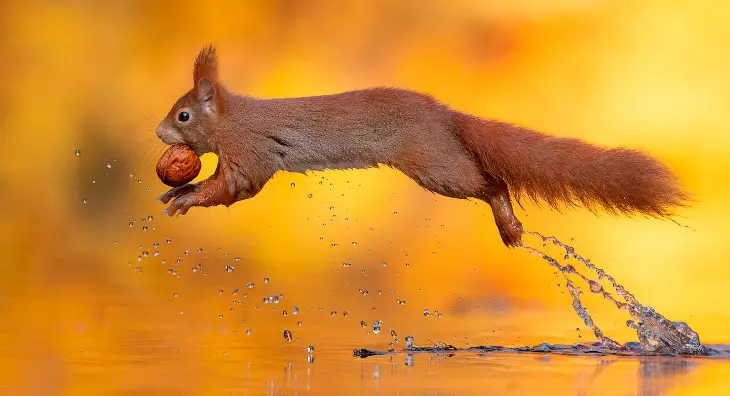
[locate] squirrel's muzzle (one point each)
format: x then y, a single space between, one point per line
168 135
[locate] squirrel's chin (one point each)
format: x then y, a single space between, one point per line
201 150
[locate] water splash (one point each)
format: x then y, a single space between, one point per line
655 332
658 336
579 349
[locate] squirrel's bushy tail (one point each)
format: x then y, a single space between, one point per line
570 172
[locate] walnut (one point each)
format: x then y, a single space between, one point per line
178 165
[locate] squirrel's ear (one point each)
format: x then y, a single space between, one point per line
206 95
206 66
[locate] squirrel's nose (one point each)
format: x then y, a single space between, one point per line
159 132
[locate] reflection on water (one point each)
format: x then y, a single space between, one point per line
655 375
473 374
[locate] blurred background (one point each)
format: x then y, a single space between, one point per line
84 281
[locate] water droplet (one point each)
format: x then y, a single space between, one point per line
249 285
200 250
248 331
393 333
426 313
292 185
309 195
400 302
283 313
354 243
310 349
220 291
346 265
344 313
83 200
409 341
108 165
595 286
333 313
363 324
266 280
78 153
287 335
196 268
395 213
299 323
145 228
295 311
376 327
230 268
220 316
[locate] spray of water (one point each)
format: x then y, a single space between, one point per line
655 332
657 335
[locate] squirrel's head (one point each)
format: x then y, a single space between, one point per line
192 119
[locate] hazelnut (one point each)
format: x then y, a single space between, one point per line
178 165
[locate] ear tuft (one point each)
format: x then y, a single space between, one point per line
206 66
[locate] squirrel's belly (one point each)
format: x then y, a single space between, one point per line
304 167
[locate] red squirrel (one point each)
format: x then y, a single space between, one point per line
445 151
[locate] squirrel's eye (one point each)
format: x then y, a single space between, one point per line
183 116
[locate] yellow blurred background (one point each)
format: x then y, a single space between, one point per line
98 77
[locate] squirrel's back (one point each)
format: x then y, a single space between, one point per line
357 129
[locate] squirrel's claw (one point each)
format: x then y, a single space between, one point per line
181 204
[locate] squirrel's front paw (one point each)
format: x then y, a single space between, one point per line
181 204
176 192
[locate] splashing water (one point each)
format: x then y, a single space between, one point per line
657 334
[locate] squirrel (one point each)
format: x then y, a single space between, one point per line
445 151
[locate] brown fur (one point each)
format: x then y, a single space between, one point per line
206 66
570 172
445 151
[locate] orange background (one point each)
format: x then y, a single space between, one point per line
99 76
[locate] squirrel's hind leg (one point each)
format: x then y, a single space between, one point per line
497 196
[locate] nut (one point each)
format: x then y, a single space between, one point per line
178 165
